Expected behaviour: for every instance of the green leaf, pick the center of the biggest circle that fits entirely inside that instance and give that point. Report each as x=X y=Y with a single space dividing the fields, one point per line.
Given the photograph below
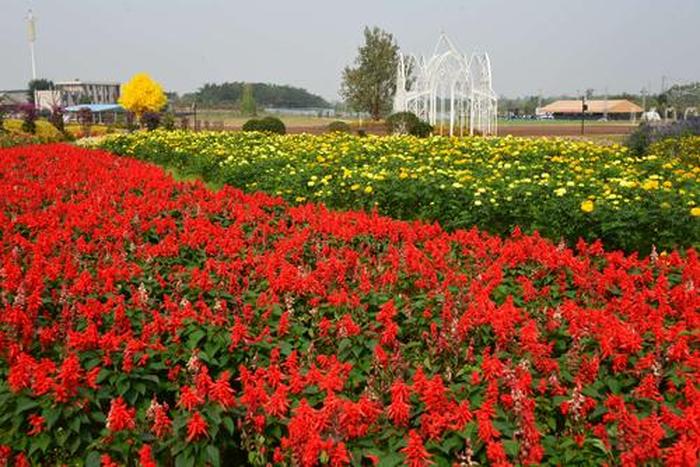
x=228 y=423
x=213 y=455
x=75 y=425
x=93 y=459
x=194 y=338
x=25 y=404
x=184 y=460
x=51 y=415
x=390 y=459
x=511 y=447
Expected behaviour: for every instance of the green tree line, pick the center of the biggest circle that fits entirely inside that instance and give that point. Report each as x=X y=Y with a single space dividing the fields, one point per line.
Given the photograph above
x=230 y=95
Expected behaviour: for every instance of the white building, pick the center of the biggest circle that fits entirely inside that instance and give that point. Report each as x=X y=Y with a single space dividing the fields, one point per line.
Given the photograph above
x=70 y=93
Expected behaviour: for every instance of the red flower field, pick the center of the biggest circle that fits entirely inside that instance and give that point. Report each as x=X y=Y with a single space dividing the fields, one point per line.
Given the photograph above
x=160 y=323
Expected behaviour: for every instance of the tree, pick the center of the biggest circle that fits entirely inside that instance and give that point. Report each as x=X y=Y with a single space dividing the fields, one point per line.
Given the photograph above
x=248 y=106
x=371 y=84
x=228 y=95
x=37 y=85
x=29 y=116
x=142 y=94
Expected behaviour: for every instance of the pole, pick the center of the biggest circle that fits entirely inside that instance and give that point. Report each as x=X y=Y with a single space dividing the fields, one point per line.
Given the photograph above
x=583 y=113
x=31 y=35
x=194 y=111
x=605 y=112
x=31 y=51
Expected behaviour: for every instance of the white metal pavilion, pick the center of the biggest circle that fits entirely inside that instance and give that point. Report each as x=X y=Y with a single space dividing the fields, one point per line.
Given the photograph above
x=448 y=87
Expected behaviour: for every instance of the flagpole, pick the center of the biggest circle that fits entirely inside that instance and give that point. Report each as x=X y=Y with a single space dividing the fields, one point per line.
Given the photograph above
x=31 y=35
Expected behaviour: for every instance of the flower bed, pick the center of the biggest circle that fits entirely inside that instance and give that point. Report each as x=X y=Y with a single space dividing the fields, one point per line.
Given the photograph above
x=145 y=319
x=8 y=140
x=561 y=188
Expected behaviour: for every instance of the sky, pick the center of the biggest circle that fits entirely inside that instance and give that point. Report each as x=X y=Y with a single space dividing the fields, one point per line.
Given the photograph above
x=536 y=46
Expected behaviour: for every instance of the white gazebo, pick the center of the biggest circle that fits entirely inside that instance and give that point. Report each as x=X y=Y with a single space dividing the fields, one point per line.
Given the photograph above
x=448 y=87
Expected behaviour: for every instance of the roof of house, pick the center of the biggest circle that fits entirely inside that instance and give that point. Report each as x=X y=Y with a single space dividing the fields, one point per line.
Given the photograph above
x=79 y=82
x=597 y=106
x=14 y=97
x=96 y=108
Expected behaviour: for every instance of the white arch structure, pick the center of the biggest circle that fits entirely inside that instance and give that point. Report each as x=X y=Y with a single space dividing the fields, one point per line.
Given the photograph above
x=448 y=87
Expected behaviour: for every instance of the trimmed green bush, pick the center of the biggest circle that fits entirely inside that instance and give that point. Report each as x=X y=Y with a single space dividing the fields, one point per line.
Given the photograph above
x=265 y=125
x=407 y=123
x=339 y=126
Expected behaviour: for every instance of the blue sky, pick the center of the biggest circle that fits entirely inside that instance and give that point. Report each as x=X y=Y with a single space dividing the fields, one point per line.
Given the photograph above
x=552 y=46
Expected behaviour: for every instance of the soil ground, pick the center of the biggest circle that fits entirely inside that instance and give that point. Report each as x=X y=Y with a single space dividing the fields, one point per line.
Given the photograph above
x=599 y=131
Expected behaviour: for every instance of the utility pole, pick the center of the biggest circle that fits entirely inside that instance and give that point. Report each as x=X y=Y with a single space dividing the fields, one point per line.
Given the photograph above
x=605 y=109
x=584 y=107
x=194 y=115
x=31 y=35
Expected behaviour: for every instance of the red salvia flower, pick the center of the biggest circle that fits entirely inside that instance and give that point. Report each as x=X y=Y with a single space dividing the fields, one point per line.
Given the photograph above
x=399 y=409
x=220 y=391
x=120 y=416
x=146 y=456
x=37 y=423
x=196 y=427
x=415 y=452
x=189 y=398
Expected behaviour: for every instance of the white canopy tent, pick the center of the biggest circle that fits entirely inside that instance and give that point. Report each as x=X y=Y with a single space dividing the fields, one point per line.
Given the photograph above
x=448 y=87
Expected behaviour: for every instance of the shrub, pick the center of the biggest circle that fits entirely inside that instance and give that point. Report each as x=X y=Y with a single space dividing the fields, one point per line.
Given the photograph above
x=56 y=118
x=422 y=129
x=265 y=125
x=29 y=117
x=130 y=123
x=401 y=123
x=44 y=131
x=3 y=110
x=150 y=120
x=340 y=127
x=85 y=119
x=168 y=121
x=407 y=123
x=647 y=134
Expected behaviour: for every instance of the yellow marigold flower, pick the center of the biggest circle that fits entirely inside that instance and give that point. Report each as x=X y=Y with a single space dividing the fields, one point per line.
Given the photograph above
x=368 y=189
x=650 y=184
x=587 y=206
x=695 y=212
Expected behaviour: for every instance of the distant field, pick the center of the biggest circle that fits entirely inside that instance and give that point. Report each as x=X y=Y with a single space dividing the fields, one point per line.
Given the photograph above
x=513 y=122
x=234 y=119
x=613 y=131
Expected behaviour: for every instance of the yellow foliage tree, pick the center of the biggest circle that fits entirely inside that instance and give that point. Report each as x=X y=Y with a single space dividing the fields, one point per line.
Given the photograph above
x=142 y=94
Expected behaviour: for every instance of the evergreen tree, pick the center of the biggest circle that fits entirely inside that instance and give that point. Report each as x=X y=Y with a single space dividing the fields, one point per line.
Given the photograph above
x=371 y=84
x=40 y=84
x=248 y=107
